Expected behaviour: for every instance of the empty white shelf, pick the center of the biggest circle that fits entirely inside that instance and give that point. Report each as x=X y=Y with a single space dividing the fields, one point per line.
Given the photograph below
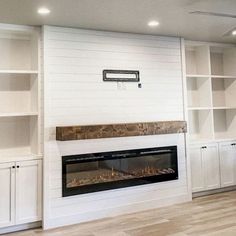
x=197 y=76
x=223 y=77
x=16 y=114
x=18 y=72
x=198 y=108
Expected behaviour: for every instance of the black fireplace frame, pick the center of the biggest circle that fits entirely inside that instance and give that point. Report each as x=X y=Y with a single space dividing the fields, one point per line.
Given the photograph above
x=82 y=158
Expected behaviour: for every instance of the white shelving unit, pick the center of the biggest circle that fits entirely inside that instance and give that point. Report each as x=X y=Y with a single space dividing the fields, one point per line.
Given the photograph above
x=211 y=105
x=20 y=126
x=19 y=93
x=211 y=91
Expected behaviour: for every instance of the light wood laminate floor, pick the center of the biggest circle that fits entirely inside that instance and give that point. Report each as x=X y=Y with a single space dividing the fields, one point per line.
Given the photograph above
x=211 y=215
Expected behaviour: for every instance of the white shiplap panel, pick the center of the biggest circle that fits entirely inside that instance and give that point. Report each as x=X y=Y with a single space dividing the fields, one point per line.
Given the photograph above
x=107 y=38
x=101 y=86
x=90 y=70
x=129 y=197
x=83 y=53
x=87 y=78
x=111 y=118
x=51 y=31
x=106 y=63
x=94 y=47
x=75 y=94
x=56 y=55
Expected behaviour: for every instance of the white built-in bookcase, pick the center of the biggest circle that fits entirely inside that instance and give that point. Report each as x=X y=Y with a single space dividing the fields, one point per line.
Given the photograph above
x=211 y=91
x=19 y=92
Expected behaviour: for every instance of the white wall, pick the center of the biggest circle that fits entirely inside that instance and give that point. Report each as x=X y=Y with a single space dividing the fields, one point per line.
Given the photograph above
x=75 y=94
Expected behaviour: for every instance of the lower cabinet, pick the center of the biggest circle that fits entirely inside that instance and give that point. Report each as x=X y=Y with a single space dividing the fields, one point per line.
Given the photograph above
x=205 y=167
x=21 y=190
x=228 y=163
x=7 y=196
x=213 y=166
x=197 y=171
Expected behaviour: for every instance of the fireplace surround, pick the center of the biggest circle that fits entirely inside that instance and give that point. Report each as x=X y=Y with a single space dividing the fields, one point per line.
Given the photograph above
x=94 y=172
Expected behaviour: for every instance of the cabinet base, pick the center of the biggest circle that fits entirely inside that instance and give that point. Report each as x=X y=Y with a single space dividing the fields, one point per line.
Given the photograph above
x=214 y=191
x=16 y=228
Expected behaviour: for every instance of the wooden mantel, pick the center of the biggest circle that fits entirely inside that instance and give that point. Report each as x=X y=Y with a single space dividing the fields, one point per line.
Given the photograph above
x=67 y=133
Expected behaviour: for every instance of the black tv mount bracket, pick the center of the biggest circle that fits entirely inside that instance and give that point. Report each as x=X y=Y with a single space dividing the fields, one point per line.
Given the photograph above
x=121 y=76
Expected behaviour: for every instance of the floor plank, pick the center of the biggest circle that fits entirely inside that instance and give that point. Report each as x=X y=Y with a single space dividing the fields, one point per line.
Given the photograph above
x=205 y=216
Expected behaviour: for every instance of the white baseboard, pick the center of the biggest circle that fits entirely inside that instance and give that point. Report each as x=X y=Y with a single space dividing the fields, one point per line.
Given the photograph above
x=214 y=191
x=111 y=212
x=16 y=228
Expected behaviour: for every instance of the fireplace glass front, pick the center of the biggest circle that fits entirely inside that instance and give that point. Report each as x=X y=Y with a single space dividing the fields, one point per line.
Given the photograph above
x=88 y=173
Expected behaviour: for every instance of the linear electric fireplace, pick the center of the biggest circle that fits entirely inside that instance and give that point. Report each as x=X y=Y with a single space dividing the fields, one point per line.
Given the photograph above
x=88 y=173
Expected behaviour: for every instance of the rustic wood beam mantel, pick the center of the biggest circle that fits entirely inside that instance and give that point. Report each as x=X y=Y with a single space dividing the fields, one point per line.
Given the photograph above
x=67 y=133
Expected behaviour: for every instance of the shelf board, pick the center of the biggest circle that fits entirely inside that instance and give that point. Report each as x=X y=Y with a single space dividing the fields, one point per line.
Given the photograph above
x=201 y=140
x=18 y=72
x=219 y=137
x=211 y=76
x=199 y=108
x=223 y=108
x=197 y=76
x=224 y=139
x=4 y=158
x=215 y=140
x=223 y=77
x=17 y=114
x=210 y=108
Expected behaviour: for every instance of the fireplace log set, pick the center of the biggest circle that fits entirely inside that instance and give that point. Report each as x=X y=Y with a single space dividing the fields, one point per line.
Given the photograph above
x=107 y=175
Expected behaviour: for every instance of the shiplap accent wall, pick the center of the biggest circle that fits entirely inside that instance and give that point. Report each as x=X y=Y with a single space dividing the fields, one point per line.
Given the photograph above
x=75 y=94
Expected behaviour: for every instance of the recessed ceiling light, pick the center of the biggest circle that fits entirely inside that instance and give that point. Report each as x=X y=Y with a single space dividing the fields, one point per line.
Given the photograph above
x=153 y=23
x=234 y=32
x=43 y=11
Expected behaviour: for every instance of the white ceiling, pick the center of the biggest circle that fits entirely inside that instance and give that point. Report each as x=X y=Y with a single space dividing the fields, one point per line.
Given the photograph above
x=129 y=16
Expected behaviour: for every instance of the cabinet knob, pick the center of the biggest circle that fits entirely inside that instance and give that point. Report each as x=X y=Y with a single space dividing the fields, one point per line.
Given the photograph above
x=17 y=166
x=204 y=147
x=13 y=167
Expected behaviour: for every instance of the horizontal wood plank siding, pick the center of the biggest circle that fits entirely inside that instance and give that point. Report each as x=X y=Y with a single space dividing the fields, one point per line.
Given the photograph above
x=76 y=95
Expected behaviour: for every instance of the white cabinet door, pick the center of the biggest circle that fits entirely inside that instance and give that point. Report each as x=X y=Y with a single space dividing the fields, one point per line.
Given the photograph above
x=227 y=163
x=211 y=159
x=7 y=195
x=28 y=191
x=197 y=173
